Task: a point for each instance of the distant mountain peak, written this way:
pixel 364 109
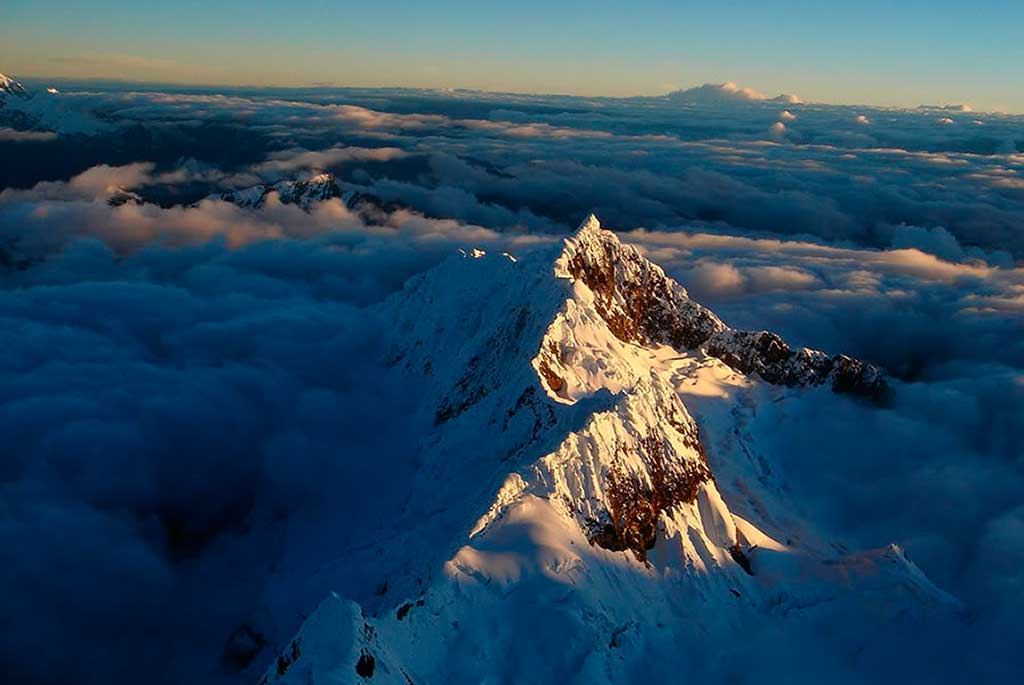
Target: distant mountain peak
pixel 643 305
pixel 304 193
pixel 9 85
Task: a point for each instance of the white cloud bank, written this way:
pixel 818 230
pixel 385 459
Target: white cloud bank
pixel 727 93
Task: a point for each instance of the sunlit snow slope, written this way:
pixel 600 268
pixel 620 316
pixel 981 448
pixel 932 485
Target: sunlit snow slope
pixel 590 503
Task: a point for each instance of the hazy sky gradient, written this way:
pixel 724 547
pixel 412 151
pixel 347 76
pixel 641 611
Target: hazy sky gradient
pixel 907 53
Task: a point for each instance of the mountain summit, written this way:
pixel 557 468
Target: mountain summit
pixel 591 503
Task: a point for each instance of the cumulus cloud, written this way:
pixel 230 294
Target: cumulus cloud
pixel 10 135
pixel 949 108
pixel 726 93
pixel 936 240
pixel 285 163
pixel 94 183
pixel 151 440
pixel 871 175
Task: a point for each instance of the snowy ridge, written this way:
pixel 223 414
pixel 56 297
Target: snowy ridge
pixel 307 192
pixel 302 193
pixel 570 520
pixel 642 305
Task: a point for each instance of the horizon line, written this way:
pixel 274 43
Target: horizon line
pixel 767 100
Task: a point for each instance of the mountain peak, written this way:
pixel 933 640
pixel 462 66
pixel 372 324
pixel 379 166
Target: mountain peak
pixel 304 193
pixel 320 178
pixel 643 305
pixel 591 223
pixel 9 85
pixel 640 303
pixel 560 462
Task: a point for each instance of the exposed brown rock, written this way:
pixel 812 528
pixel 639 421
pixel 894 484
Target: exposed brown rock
pixel 642 305
pixel 553 380
pixel 635 506
pixel 637 300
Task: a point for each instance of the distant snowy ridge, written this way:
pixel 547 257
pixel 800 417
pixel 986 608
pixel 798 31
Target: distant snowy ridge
pixel 568 523
pixel 308 192
pixel 302 193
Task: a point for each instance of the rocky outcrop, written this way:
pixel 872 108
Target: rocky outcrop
pixel 642 305
pixel 637 501
pixel 768 355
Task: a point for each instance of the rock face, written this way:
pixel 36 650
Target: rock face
pixel 642 305
pixel 768 355
pixel 568 510
pixel 628 469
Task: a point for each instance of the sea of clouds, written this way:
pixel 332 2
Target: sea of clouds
pixel 186 384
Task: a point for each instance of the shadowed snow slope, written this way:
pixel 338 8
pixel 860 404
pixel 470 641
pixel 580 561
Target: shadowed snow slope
pixel 572 521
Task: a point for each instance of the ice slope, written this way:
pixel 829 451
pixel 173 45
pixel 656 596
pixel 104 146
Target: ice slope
pixel 570 519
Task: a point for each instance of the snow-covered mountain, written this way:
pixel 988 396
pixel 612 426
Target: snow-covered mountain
pixel 590 503
pixel 303 193
pixel 306 193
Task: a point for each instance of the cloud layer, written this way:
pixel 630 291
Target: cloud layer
pixel 158 355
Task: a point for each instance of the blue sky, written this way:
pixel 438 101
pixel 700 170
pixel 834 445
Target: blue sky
pixel 863 52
